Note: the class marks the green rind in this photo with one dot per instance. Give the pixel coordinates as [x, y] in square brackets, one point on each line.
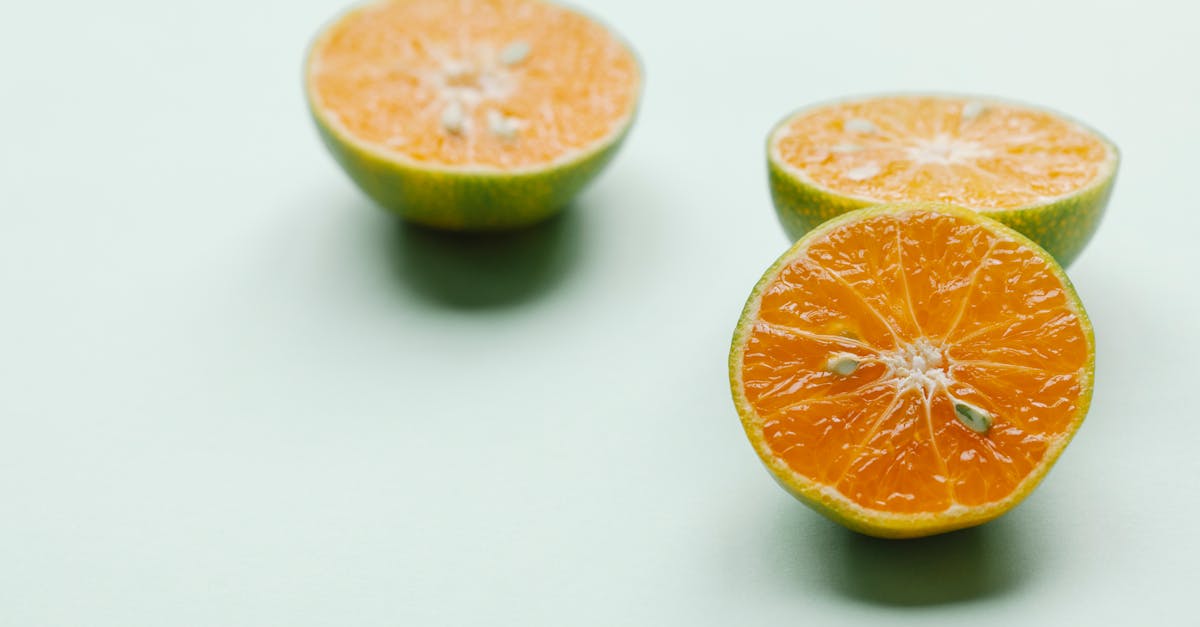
[1062, 227]
[466, 198]
[841, 510]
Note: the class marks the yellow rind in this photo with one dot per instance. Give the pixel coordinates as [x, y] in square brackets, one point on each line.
[837, 506]
[1062, 226]
[465, 198]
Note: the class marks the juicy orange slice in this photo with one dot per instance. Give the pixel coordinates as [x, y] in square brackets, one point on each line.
[503, 84]
[912, 369]
[1038, 172]
[905, 148]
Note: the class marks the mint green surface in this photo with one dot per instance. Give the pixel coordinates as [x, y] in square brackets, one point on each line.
[235, 394]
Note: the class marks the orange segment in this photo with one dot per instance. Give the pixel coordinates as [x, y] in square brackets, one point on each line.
[822, 435]
[981, 155]
[875, 275]
[912, 369]
[498, 83]
[780, 377]
[898, 468]
[793, 303]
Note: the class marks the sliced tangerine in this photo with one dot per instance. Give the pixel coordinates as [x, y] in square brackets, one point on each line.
[501, 84]
[471, 114]
[1047, 176]
[912, 369]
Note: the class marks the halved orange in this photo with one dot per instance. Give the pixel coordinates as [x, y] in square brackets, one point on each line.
[912, 369]
[471, 114]
[1039, 172]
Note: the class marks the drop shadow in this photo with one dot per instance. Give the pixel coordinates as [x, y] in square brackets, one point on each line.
[958, 567]
[484, 270]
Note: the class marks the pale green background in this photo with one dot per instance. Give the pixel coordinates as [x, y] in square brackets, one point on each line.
[234, 394]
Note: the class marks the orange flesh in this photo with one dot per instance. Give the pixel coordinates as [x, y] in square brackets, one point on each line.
[399, 74]
[986, 313]
[981, 155]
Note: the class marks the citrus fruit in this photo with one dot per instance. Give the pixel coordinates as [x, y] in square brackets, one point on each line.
[1036, 171]
[912, 369]
[472, 114]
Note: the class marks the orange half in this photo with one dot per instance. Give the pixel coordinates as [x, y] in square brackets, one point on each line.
[1037, 171]
[983, 155]
[473, 84]
[912, 369]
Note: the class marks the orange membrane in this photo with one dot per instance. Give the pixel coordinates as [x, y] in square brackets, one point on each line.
[499, 83]
[981, 155]
[868, 339]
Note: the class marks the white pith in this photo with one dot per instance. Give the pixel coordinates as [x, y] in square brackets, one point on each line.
[946, 150]
[465, 86]
[920, 365]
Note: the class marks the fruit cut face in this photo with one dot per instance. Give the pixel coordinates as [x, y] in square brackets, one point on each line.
[979, 154]
[473, 83]
[913, 361]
